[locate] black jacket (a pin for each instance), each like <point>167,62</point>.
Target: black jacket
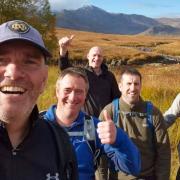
<point>102,89</point>
<point>40,155</point>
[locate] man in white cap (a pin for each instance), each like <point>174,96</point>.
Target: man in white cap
<point>30,148</point>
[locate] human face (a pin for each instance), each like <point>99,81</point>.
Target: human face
<point>95,57</point>
<point>130,87</point>
<point>71,94</point>
<point>23,75</point>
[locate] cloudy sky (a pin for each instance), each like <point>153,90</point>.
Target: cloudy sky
<point>150,8</point>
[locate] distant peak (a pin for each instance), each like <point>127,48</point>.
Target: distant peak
<point>91,7</point>
<point>88,6</point>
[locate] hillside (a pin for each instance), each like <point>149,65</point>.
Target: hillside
<point>94,19</point>
<point>162,30</point>
<point>174,22</point>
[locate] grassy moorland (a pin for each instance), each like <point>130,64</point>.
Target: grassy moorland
<point>128,49</point>
<point>161,82</point>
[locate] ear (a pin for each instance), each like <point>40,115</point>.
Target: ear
<point>57,91</point>
<point>120,86</point>
<point>87,56</point>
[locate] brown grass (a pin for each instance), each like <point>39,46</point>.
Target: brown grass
<point>120,46</point>
<point>161,83</point>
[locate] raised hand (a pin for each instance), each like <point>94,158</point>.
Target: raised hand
<point>64,43</point>
<point>107,130</point>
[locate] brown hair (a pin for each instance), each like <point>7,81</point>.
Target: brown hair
<point>74,71</point>
<point>131,71</point>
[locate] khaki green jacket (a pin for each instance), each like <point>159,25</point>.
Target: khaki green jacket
<point>155,149</point>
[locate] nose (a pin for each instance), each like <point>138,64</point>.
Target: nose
<point>72,96</point>
<point>13,71</point>
<point>132,87</point>
<point>97,57</point>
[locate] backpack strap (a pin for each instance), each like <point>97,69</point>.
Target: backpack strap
<point>42,113</point>
<point>89,128</point>
<point>115,103</point>
<point>66,161</point>
<point>90,136</point>
<point>149,111</point>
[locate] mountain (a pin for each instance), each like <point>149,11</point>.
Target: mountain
<point>162,30</point>
<point>94,19</point>
<point>174,22</point>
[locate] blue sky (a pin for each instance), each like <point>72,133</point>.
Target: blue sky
<point>150,8</point>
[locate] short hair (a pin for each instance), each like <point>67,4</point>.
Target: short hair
<point>74,71</point>
<point>130,71</point>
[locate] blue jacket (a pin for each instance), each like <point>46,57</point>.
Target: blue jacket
<point>123,152</point>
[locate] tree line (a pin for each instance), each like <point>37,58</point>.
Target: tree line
<point>35,12</point>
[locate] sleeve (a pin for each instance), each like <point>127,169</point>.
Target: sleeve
<point>162,147</point>
<point>173,112</point>
<point>124,154</point>
<point>64,62</point>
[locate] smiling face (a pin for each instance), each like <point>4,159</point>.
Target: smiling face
<point>130,87</point>
<point>95,57</point>
<point>71,93</point>
<point>23,76</point>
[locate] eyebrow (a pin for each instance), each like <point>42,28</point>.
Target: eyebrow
<point>35,54</point>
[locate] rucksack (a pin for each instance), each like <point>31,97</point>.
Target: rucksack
<point>88,133</point>
<point>149,109</point>
<point>90,136</point>
<point>66,161</point>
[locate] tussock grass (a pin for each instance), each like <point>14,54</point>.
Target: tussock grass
<point>161,83</point>
<point>170,49</point>
<point>121,46</point>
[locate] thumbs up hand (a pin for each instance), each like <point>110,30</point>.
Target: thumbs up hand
<point>107,130</point>
<point>64,43</point>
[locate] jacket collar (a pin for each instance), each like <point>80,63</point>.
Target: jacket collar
<point>51,116</point>
<point>134,107</point>
<point>104,68</point>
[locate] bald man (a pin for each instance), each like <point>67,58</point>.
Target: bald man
<point>103,85</point>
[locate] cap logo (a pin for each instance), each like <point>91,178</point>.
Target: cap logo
<point>19,26</point>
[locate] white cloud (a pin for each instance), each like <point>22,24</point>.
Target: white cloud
<point>67,4</point>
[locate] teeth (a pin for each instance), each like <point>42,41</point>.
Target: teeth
<point>12,89</point>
